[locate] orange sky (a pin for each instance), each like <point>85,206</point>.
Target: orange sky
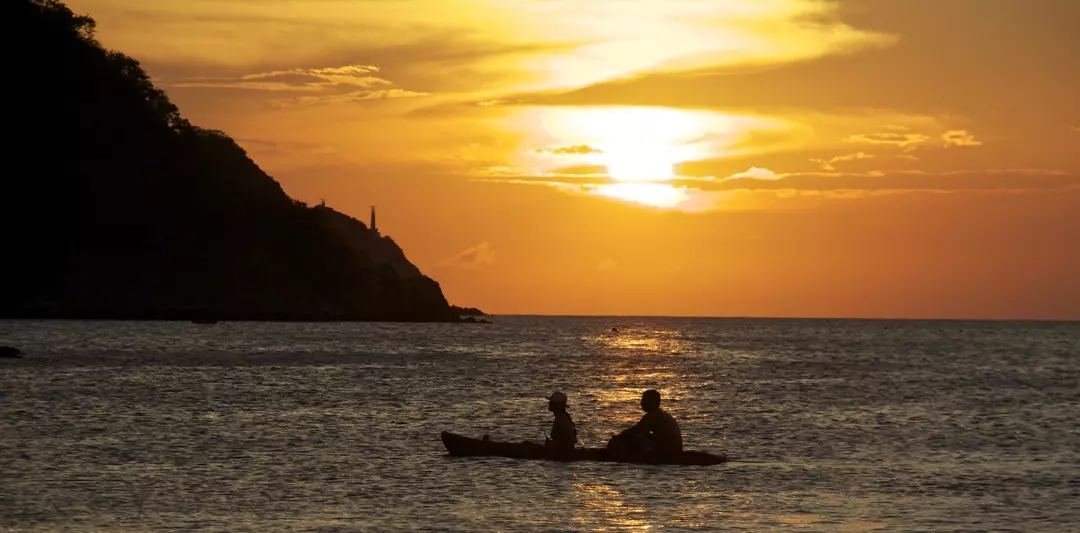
<point>859,158</point>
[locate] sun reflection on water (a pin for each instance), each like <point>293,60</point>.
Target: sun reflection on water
<point>638,359</point>
<point>620,516</point>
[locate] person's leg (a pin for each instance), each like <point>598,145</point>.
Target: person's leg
<point>622,444</point>
<point>646,443</point>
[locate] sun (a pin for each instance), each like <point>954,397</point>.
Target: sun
<point>636,149</point>
<point>651,194</point>
<point>638,143</point>
<point>642,164</point>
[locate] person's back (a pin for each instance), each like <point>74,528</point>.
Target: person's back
<point>563,430</point>
<point>665,430</point>
<point>656,432</point>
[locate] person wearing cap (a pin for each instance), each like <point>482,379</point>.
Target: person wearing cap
<point>656,432</point>
<point>563,432</point>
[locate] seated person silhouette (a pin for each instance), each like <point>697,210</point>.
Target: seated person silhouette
<point>563,432</point>
<point>657,432</point>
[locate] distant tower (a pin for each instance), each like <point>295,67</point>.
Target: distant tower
<point>374,228</point>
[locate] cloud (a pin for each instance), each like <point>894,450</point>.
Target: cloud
<point>298,79</point>
<point>755,173</point>
<point>581,170</point>
<point>827,164</point>
<point>309,86</point>
<point>690,195</point>
<point>1016,180</point>
<point>577,173</point>
<point>355,96</point>
<point>959,138</point>
<point>475,257</point>
<point>850,184</point>
<point>316,79</point>
<point>655,195</point>
<point>902,140</point>
<point>554,47</point>
<point>606,265</point>
<point>851,157</point>
<point>911,141</point>
<point>347,70</point>
<point>580,149</point>
<point>761,178</point>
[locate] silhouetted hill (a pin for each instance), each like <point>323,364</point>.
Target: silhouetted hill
<point>115,206</point>
<point>468,311</point>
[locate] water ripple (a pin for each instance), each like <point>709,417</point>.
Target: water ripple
<point>851,425</point>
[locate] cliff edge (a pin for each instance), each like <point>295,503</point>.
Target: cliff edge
<point>115,206</point>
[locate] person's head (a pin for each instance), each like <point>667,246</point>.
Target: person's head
<point>650,400</point>
<point>557,402</point>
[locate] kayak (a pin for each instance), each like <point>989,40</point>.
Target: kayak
<point>461,446</point>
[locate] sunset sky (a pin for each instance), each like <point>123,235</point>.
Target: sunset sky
<point>856,158</point>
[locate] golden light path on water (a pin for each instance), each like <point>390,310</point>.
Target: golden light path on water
<point>635,149</point>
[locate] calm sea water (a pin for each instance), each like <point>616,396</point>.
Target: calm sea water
<point>845,425</point>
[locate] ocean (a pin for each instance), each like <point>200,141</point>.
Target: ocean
<point>839,425</point>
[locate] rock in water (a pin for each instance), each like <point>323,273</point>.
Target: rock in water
<point>10,352</point>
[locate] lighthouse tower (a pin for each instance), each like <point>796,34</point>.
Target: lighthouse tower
<point>374,228</point>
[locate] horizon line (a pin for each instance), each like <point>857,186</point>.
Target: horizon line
<point>749,317</point>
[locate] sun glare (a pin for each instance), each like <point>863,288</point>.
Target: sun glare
<point>633,144</point>
<point>649,194</point>
<point>638,143</point>
<point>641,165</point>
<point>638,148</point>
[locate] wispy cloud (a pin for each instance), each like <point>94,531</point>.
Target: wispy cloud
<point>355,96</point>
<point>902,140</point>
<point>580,149</point>
<point>755,173</point>
<point>911,141</point>
<point>299,79</point>
<point>475,257</point>
<point>548,40</point>
<point>304,87</point>
<point>596,173</point>
<point>912,180</point>
<point>833,184</point>
<point>828,164</point>
<point>960,138</point>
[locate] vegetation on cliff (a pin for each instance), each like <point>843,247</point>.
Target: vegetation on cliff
<point>468,311</point>
<point>115,206</point>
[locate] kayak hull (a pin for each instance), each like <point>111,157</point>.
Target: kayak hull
<point>462,446</point>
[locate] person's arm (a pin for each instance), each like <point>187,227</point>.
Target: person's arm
<point>642,427</point>
<point>564,428</point>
